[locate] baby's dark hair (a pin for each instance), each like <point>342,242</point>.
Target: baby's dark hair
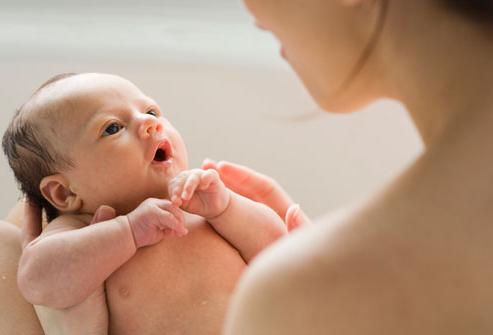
<point>29,152</point>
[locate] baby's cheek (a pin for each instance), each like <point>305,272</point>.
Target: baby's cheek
<point>180,149</point>
<point>89,205</point>
<point>101,191</point>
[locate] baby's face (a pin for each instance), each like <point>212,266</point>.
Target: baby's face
<point>122,148</point>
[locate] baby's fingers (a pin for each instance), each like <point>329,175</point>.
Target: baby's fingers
<point>175,189</point>
<point>169,216</point>
<point>208,164</point>
<point>168,221</point>
<point>190,186</point>
<point>208,177</point>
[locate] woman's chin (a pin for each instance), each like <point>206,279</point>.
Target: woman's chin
<point>343,103</point>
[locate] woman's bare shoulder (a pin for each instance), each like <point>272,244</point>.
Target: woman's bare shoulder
<point>381,268</point>
<point>336,277</point>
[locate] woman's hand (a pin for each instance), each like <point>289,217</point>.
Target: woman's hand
<point>89,317</point>
<point>260,188</point>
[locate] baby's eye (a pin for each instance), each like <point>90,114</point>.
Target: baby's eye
<point>112,129</point>
<point>152,112</point>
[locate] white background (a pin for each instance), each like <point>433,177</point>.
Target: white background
<point>219,80</point>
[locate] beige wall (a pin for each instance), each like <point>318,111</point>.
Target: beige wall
<point>231,99</point>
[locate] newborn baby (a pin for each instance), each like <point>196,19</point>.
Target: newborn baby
<point>171,258</point>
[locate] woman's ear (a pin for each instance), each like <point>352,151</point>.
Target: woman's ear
<point>56,189</point>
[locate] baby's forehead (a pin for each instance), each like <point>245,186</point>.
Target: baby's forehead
<point>68,106</point>
<point>50,106</point>
<point>88,88</point>
<point>57,110</point>
<point>55,119</point>
<point>76,98</point>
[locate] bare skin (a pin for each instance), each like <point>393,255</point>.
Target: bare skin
<point>220,267</point>
<point>180,280</point>
<point>177,278</point>
<point>128,291</point>
<point>384,262</point>
<point>415,258</point>
<point>18,316</point>
<point>16,214</point>
<point>65,268</point>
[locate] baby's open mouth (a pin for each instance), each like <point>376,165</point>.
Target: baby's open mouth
<point>160,155</point>
<point>163,152</point>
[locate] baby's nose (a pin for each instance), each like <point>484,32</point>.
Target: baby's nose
<point>150,127</point>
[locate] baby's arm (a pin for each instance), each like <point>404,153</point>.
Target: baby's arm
<point>260,188</point>
<point>248,225</point>
<point>70,260</point>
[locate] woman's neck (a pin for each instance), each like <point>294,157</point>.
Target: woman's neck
<point>442,71</point>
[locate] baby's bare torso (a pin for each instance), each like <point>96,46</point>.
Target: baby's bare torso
<point>178,286</point>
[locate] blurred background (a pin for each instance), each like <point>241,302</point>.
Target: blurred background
<point>218,79</point>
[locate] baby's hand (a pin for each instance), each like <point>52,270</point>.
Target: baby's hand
<point>153,219</point>
<point>200,192</point>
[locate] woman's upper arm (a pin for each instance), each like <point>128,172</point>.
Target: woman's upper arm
<point>17,316</point>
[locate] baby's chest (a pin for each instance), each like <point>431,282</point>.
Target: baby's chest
<point>175,285</point>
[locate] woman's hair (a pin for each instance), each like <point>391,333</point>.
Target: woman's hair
<point>29,152</point>
<point>477,10</point>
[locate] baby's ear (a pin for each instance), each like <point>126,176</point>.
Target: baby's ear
<point>56,189</point>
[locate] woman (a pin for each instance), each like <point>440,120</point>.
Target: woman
<point>415,258</point>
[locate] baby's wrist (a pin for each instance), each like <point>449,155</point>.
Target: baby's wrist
<point>124,220</point>
<point>221,214</point>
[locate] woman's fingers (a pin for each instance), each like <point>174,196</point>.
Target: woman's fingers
<point>252,184</point>
<point>32,223</point>
<point>295,218</point>
<point>103,213</point>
